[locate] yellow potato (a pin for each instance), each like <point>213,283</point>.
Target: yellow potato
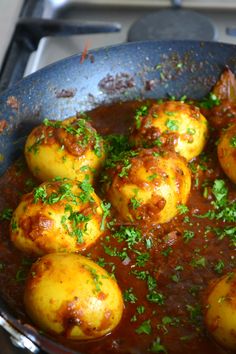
<point>149,186</point>
<point>57,216</point>
<point>174,125</point>
<point>71,295</point>
<point>66,149</point>
<point>227,152</point>
<point>220,315</point>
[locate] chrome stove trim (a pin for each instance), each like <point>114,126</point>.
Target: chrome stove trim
<point>52,49</point>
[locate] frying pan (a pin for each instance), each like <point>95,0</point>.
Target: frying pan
<point>79,83</point>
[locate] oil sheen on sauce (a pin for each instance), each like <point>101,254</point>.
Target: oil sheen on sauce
<point>163,277</point>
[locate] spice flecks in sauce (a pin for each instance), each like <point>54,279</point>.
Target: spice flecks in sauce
<point>163,276</point>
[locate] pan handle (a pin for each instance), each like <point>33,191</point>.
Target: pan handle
<point>177,4</point>
<point>17,338</point>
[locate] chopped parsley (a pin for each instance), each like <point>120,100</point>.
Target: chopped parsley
<point>144,328</point>
<point>152,177</point>
<point>198,262</point>
<point>188,235</point>
<point>6,214</point>
<point>96,278</point>
<point>128,234</point>
<point>191,131</point>
<point>125,169</point>
<point>219,267</point>
<point>151,282</point>
<point>195,313</point>
<point>40,193</point>
<point>175,278</point>
<point>106,212</point>
<point>83,131</point>
<point>148,243</point>
<point>113,252</point>
<point>233,141</point>
<point>156,297</point>
<point>34,148</point>
<point>78,223</point>
<point>167,251</point>
<point>172,124</point>
<point>116,143</point>
<point>182,209</point>
<point>64,192</point>
<point>157,347</point>
<point>21,275</point>
<point>168,321</point>
<point>142,274</point>
<point>224,209</point>
<point>141,258</point>
<point>140,113</point>
<point>30,183</point>
<point>14,225</point>
<point>129,296</point>
<point>135,203</point>
<point>140,309</point>
<point>157,142</point>
<point>210,101</point>
<point>87,190</point>
<point>2,266</point>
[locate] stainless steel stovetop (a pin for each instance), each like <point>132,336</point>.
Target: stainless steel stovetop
<point>125,12</point>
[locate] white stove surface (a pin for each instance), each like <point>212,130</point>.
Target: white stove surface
<point>51,49</point>
<point>9,12</point>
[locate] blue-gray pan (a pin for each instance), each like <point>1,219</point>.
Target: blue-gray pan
<point>82,82</point>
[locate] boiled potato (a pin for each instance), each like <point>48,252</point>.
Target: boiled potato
<point>71,295</point>
<point>220,315</point>
<point>227,152</point>
<point>61,215</point>
<point>66,149</point>
<point>173,125</point>
<point>149,185</point>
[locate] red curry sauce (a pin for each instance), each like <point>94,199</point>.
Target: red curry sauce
<point>163,277</point>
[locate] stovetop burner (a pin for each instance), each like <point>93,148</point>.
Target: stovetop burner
<point>173,24</point>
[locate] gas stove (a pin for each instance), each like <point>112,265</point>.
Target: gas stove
<point>35,33</point>
<point>44,28</point>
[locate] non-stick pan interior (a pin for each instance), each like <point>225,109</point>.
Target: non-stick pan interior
<point>124,72</point>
